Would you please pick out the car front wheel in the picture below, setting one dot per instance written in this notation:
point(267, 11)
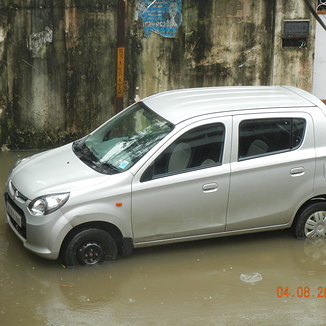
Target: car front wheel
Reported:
point(89, 247)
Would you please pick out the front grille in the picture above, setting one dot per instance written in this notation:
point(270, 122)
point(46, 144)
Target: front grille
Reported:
point(18, 194)
point(21, 229)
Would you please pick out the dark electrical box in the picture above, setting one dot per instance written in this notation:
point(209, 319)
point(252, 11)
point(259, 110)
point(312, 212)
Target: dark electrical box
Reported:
point(295, 33)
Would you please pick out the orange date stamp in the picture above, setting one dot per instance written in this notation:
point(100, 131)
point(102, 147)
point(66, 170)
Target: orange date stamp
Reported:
point(301, 292)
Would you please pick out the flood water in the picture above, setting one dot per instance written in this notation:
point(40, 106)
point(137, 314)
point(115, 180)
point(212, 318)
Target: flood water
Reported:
point(263, 279)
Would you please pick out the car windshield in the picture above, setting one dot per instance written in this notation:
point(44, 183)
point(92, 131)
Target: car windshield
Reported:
point(121, 142)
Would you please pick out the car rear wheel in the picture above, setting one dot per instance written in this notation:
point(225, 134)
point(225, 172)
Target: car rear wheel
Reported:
point(311, 223)
point(90, 247)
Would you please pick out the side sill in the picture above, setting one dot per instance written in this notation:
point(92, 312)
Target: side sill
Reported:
point(149, 243)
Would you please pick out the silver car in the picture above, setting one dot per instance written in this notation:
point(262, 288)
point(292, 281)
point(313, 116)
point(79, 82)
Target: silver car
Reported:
point(177, 166)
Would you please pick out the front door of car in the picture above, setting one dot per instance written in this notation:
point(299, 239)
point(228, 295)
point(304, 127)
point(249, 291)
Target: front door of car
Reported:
point(273, 169)
point(183, 190)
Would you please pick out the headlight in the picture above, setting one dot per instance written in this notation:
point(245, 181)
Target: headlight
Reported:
point(47, 204)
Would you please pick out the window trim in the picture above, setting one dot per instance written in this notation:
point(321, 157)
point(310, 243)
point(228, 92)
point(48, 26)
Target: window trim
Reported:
point(293, 148)
point(151, 177)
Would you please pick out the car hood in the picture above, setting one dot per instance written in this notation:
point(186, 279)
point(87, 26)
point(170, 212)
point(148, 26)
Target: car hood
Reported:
point(54, 171)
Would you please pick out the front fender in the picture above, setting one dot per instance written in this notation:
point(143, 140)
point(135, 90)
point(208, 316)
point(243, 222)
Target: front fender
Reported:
point(118, 215)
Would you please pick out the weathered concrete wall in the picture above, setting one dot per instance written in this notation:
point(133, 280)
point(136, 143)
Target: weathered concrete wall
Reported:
point(293, 65)
point(219, 43)
point(57, 70)
point(58, 59)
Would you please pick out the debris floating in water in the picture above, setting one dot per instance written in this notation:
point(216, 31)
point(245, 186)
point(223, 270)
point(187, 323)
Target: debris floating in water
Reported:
point(251, 278)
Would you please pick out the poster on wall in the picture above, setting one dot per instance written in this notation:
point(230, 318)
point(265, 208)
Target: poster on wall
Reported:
point(163, 17)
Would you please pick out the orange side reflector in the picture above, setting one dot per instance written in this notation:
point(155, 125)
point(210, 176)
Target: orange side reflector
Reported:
point(118, 204)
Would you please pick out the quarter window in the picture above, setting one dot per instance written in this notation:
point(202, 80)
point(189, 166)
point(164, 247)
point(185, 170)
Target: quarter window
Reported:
point(198, 148)
point(262, 137)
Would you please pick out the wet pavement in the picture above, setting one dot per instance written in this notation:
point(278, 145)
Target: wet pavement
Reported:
point(262, 279)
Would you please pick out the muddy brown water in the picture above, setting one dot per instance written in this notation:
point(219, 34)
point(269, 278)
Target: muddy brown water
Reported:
point(262, 279)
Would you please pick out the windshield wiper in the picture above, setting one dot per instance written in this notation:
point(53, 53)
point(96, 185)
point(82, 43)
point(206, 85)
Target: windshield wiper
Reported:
point(110, 167)
point(85, 154)
point(88, 157)
point(78, 144)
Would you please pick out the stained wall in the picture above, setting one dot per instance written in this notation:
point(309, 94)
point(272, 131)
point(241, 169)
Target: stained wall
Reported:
point(58, 59)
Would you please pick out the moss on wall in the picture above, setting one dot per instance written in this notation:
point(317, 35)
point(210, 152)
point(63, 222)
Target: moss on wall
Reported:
point(58, 59)
point(219, 43)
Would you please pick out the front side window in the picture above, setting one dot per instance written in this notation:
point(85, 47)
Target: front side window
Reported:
point(122, 141)
point(198, 148)
point(260, 137)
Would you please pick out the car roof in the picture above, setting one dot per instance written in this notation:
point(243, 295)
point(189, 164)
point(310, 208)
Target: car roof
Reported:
point(179, 105)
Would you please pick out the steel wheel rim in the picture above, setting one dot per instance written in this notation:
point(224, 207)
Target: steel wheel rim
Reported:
point(315, 226)
point(90, 253)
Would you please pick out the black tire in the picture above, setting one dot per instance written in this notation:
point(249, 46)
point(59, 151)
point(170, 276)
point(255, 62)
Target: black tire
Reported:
point(311, 223)
point(90, 247)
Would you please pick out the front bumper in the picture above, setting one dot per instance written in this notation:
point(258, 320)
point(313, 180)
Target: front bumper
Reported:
point(43, 235)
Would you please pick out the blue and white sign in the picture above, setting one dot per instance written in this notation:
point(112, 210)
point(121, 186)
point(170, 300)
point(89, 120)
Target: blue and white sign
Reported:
point(163, 17)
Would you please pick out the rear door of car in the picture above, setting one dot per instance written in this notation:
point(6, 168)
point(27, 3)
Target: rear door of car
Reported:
point(272, 169)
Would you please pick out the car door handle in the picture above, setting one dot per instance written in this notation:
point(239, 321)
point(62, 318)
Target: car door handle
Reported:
point(297, 171)
point(210, 187)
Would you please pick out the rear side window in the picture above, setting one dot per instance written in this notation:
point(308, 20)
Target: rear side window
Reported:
point(261, 137)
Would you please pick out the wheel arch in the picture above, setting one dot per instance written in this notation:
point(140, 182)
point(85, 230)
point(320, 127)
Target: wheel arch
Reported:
point(125, 245)
point(314, 200)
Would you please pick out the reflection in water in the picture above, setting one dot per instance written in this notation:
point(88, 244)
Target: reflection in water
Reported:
point(315, 250)
point(196, 283)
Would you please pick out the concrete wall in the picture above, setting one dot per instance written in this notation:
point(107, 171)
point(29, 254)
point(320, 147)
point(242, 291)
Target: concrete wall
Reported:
point(219, 43)
point(58, 59)
point(57, 70)
point(319, 83)
point(293, 65)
